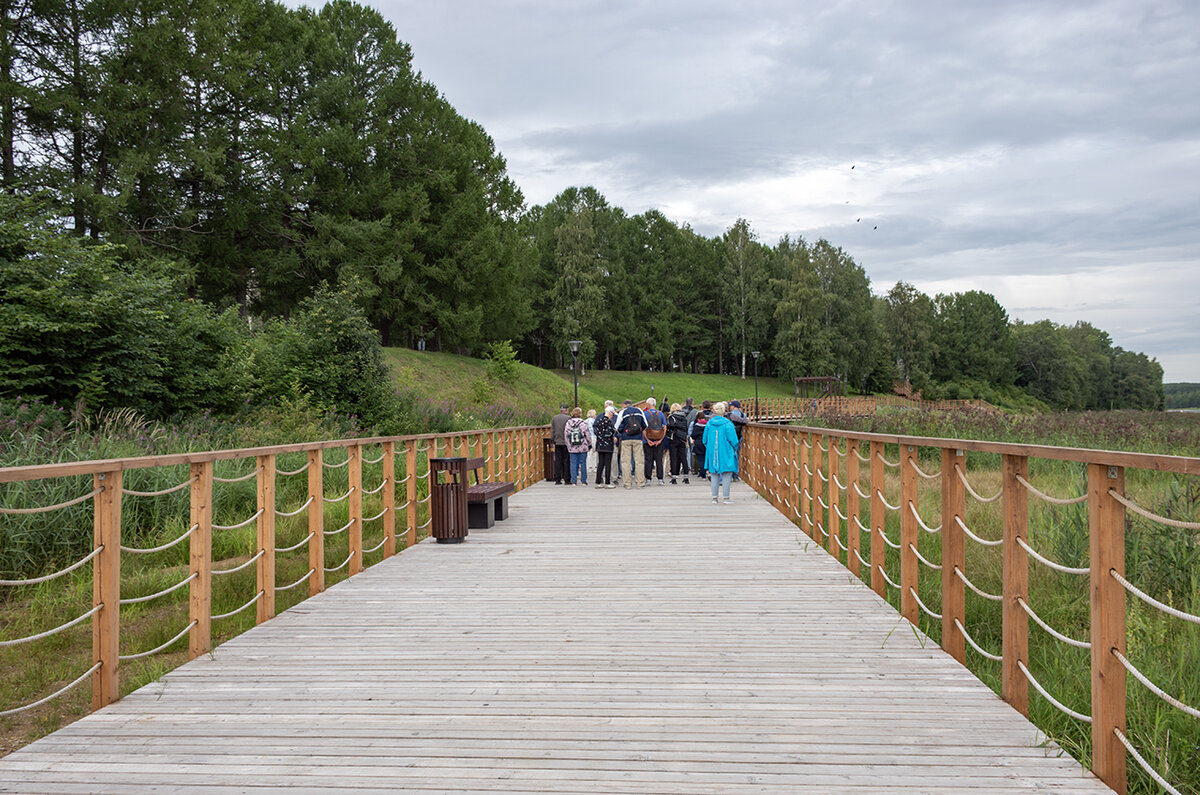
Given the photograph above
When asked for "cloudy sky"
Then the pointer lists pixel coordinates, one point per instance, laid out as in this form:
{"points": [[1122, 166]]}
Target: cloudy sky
{"points": [[1045, 152]]}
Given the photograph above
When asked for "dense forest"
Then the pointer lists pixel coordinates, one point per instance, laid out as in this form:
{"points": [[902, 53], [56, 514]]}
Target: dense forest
{"points": [[204, 203]]}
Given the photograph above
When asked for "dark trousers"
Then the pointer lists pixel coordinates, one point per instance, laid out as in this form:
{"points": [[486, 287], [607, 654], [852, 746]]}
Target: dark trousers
{"points": [[562, 464], [604, 466], [699, 451], [654, 460], [679, 462]]}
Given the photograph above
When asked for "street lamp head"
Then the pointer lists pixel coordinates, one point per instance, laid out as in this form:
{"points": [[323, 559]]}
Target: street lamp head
{"points": [[575, 345], [755, 355]]}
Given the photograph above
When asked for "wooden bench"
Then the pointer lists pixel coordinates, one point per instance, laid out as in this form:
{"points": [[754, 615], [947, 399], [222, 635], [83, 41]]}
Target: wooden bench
{"points": [[487, 503]]}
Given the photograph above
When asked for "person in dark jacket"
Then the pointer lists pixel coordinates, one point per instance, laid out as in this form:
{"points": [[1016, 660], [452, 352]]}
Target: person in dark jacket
{"points": [[696, 431], [558, 432], [606, 437], [677, 442]]}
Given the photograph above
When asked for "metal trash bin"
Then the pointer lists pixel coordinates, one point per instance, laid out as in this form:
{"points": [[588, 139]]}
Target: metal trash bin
{"points": [[548, 458], [448, 499]]}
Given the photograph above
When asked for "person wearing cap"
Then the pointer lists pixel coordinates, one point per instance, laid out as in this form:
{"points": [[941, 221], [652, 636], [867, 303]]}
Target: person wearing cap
{"points": [[738, 418], [654, 440], [558, 432], [630, 424]]}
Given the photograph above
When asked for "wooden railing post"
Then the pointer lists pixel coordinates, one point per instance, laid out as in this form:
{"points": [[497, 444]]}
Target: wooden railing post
{"points": [[1014, 687], [832, 498], [200, 552], [954, 554], [878, 520], [316, 521], [106, 588], [410, 505], [389, 499], [490, 445], [909, 534], [853, 509], [266, 537], [805, 450], [354, 509], [1106, 523]]}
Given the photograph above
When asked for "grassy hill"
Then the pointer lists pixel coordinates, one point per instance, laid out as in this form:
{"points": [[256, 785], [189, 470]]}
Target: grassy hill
{"points": [[462, 381]]}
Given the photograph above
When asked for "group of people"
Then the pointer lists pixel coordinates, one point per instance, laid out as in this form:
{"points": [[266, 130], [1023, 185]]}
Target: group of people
{"points": [[701, 441]]}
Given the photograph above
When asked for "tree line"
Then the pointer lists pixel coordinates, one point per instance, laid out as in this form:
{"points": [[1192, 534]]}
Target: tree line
{"points": [[230, 158]]}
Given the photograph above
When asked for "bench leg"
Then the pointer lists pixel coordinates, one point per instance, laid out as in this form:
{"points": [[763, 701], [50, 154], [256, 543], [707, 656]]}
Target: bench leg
{"points": [[480, 515], [501, 508]]}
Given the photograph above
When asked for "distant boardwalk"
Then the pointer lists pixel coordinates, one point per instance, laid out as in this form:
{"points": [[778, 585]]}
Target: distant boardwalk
{"points": [[656, 643]]}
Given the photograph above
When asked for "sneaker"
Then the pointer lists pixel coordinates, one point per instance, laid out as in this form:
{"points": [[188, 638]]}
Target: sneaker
{"points": [[675, 483], [729, 502], [599, 485], [685, 480], [714, 500], [660, 482], [610, 485]]}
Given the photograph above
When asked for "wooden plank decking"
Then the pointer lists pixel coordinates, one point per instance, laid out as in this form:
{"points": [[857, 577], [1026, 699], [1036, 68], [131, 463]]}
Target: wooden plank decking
{"points": [[597, 641]]}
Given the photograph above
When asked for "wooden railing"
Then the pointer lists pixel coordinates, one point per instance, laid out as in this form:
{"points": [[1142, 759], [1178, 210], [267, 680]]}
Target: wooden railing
{"points": [[768, 409], [835, 486], [511, 454]]}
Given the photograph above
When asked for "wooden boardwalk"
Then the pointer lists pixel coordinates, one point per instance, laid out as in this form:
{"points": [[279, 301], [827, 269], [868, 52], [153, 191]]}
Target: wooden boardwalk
{"points": [[598, 641]]}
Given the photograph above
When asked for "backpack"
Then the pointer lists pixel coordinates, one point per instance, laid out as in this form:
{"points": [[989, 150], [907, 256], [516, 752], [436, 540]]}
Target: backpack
{"points": [[655, 429], [634, 423], [575, 435], [677, 427]]}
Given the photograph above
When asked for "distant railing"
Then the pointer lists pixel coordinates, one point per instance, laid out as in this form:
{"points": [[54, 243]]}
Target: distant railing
{"points": [[815, 477], [767, 409], [511, 454]]}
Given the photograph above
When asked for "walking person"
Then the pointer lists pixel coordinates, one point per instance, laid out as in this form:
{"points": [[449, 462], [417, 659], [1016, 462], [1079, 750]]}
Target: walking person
{"points": [[696, 434], [606, 439], [738, 418], [654, 440], [721, 447], [558, 432], [579, 441], [677, 442], [591, 423], [630, 426]]}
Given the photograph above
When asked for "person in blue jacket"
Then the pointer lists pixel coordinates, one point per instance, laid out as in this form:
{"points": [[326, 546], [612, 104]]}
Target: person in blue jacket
{"points": [[721, 446]]}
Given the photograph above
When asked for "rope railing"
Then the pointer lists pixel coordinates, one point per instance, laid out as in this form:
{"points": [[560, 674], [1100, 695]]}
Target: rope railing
{"points": [[1140, 511], [1150, 771], [375, 460], [343, 564], [288, 473], [294, 547], [48, 508], [888, 541], [886, 463], [48, 577], [341, 529], [860, 559], [924, 609], [837, 481], [838, 540], [887, 504], [376, 516], [1079, 644], [1063, 708], [377, 547], [1041, 495], [51, 632], [971, 641], [924, 561], [1155, 689], [337, 499], [307, 503], [290, 586], [257, 514], [977, 539], [163, 647], [922, 472], [402, 482], [1047, 562], [989, 596], [377, 489], [858, 489], [886, 578], [168, 545], [1150, 600], [866, 459], [76, 683], [219, 572], [160, 493], [328, 465], [238, 479], [232, 613], [967, 485], [135, 599], [920, 522]]}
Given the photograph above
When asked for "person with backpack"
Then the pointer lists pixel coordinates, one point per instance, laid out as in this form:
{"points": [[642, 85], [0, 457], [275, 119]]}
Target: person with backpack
{"points": [[696, 432], [721, 445], [630, 425], [738, 418], [654, 440], [579, 441], [677, 442], [606, 437]]}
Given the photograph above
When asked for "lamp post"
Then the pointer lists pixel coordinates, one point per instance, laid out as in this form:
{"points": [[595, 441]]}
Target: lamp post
{"points": [[755, 354], [575, 367]]}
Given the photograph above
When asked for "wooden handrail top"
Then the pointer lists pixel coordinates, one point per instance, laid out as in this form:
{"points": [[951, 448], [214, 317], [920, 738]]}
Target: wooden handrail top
{"points": [[41, 471], [1151, 461]]}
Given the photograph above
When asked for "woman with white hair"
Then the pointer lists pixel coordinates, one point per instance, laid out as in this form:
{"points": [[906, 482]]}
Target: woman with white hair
{"points": [[721, 446]]}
